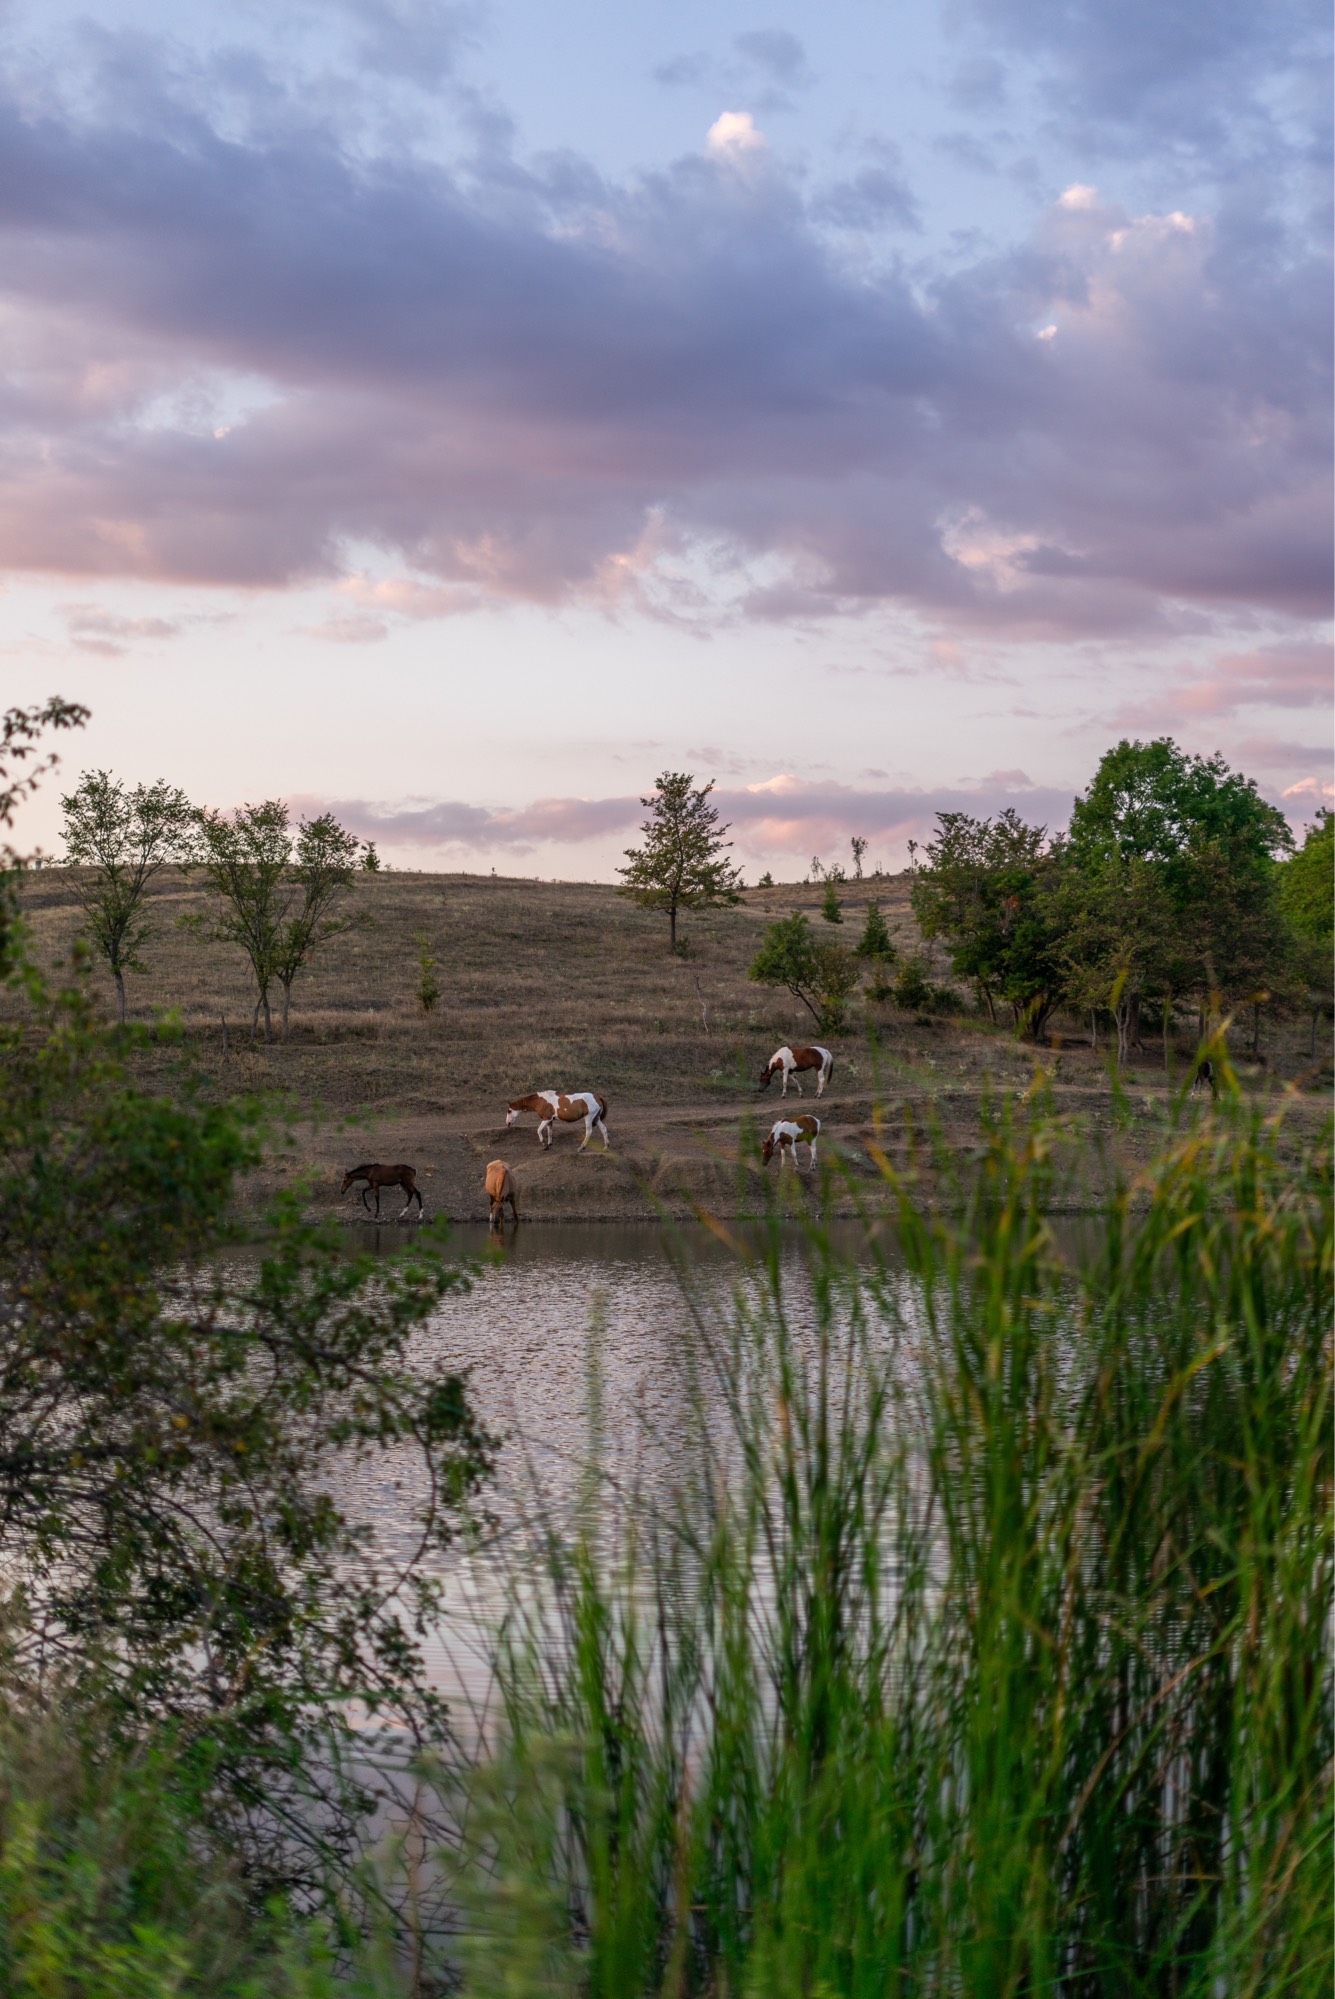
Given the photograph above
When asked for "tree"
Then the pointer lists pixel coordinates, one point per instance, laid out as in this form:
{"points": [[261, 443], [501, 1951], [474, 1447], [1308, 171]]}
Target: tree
{"points": [[123, 839], [875, 942], [830, 908], [182, 1436], [21, 730], [859, 846], [1118, 941], [987, 891], [1307, 900], [274, 903], [821, 975], [325, 862], [370, 858], [1211, 842], [681, 864]]}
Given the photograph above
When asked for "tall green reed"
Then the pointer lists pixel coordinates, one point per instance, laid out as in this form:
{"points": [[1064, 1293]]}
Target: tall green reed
{"points": [[979, 1645]]}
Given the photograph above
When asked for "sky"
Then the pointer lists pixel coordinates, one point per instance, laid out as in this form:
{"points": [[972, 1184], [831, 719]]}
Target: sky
{"points": [[457, 414]]}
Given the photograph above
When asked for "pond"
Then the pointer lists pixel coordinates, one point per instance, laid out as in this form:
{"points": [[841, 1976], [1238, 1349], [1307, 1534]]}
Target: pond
{"points": [[577, 1344]]}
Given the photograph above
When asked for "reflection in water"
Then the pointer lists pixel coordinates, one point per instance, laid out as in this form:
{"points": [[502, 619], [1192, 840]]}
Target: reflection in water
{"points": [[555, 1313]]}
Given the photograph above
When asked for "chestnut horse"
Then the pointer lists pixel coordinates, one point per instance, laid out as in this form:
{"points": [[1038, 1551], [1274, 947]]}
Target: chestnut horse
{"points": [[500, 1189], [788, 1062], [385, 1176]]}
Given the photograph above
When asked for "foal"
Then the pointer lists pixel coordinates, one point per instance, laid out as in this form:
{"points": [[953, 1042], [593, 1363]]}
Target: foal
{"points": [[385, 1176]]}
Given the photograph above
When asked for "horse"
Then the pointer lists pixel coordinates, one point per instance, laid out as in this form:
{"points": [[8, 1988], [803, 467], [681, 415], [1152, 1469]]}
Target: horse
{"points": [[500, 1184], [385, 1176], [787, 1135], [554, 1106], [789, 1061], [1205, 1078]]}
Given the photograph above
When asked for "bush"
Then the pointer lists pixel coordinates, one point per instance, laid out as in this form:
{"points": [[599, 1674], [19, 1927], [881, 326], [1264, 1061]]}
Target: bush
{"points": [[821, 975]]}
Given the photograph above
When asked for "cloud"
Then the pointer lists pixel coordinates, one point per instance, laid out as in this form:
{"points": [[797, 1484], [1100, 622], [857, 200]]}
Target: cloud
{"points": [[239, 352], [777, 54], [734, 133], [94, 630], [782, 814], [1274, 676]]}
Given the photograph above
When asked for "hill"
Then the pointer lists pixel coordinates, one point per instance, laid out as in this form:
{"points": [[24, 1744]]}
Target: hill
{"points": [[563, 985]]}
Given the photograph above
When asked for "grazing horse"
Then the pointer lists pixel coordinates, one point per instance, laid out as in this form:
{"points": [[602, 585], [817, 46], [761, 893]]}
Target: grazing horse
{"points": [[1205, 1078], [553, 1106], [788, 1061], [542, 1103], [787, 1135], [385, 1176], [500, 1189]]}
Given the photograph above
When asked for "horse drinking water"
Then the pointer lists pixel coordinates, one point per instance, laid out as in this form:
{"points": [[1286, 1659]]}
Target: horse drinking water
{"points": [[500, 1189], [377, 1177]]}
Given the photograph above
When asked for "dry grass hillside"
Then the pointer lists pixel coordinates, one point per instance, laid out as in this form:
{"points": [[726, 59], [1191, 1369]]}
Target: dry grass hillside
{"points": [[566, 985]]}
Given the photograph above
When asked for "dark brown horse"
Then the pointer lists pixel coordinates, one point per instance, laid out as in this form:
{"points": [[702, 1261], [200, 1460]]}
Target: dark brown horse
{"points": [[385, 1176]]}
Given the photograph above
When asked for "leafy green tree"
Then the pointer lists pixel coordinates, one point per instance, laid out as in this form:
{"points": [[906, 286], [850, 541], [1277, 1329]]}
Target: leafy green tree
{"points": [[823, 976], [986, 890], [831, 908], [1211, 841], [875, 942], [1307, 899], [681, 864], [21, 731], [275, 896], [859, 846], [371, 859], [1119, 942], [119, 840], [428, 985], [1307, 882], [323, 869]]}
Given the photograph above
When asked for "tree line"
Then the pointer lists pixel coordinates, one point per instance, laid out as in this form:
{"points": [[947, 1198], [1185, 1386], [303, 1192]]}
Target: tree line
{"points": [[1175, 885], [276, 886]]}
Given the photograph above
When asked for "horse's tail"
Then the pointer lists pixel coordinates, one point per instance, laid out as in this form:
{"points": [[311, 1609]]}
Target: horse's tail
{"points": [[829, 1065], [602, 1108]]}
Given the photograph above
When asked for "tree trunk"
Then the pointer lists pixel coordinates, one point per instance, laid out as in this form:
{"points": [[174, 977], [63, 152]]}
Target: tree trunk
{"points": [[1314, 1019], [287, 1002], [1122, 1017], [1094, 1029], [1133, 1023], [672, 926], [268, 1019], [1256, 1027], [120, 991], [1167, 1016]]}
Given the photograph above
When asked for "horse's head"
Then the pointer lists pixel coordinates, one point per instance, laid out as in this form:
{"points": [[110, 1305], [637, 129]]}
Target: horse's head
{"points": [[348, 1179], [510, 1117], [767, 1150], [766, 1075]]}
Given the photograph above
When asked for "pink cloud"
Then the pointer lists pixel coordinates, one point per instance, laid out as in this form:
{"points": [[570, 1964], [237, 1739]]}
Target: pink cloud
{"points": [[1294, 675]]}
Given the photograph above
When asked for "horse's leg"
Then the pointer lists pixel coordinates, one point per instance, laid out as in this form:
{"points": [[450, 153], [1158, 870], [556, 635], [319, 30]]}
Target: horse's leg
{"points": [[797, 1082], [812, 1149], [365, 1191]]}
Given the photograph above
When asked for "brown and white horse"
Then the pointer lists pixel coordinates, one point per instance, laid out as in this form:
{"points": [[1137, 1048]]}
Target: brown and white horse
{"points": [[554, 1106], [500, 1189], [385, 1176], [787, 1135], [789, 1061]]}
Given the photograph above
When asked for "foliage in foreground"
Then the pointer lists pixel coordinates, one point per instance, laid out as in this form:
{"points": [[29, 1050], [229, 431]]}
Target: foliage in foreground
{"points": [[986, 1650]]}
